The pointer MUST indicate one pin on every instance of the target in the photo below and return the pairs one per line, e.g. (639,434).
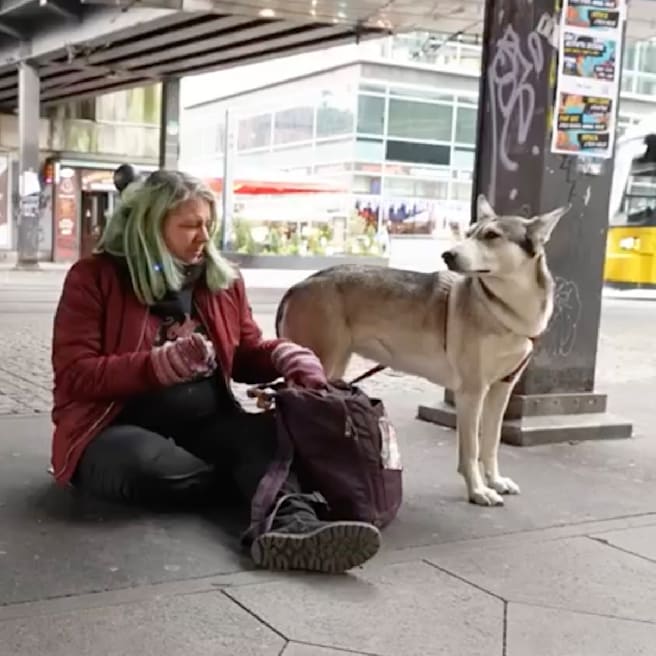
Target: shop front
(84,198)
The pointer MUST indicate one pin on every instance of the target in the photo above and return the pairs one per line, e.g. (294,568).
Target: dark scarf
(174,304)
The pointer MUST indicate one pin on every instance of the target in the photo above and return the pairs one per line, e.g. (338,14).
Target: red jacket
(100,351)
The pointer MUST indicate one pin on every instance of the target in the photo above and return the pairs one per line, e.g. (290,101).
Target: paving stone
(298,649)
(54,542)
(640,541)
(194,625)
(536,631)
(410,609)
(576,574)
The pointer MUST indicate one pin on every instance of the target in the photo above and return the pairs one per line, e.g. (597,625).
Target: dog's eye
(490,235)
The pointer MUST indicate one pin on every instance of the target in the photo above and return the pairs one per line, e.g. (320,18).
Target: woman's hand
(183,359)
(299,365)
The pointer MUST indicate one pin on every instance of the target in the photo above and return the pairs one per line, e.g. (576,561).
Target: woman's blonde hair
(135,232)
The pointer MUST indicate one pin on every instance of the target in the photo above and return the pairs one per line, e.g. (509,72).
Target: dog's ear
(540,227)
(484,209)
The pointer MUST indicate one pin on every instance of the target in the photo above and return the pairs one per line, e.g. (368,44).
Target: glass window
(461,190)
(254,132)
(630,56)
(410,119)
(334,116)
(431,189)
(628,82)
(466,125)
(369,150)
(463,158)
(416,188)
(418,153)
(80,109)
(647,58)
(366,184)
(646,85)
(139,105)
(295,124)
(371,114)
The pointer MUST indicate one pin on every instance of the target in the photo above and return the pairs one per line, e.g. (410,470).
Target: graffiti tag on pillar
(512,79)
(566,315)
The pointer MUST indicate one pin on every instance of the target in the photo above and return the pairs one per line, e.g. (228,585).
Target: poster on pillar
(588,86)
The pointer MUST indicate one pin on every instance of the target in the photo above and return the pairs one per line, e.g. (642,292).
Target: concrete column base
(531,420)
(27,265)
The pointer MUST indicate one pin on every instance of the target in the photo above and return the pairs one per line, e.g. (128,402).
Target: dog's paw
(485,496)
(503,485)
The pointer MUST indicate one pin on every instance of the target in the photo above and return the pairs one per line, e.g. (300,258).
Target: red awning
(275,187)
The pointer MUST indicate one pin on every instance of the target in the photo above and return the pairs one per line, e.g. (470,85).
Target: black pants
(180,464)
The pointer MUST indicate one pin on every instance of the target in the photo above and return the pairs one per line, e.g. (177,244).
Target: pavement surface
(568,568)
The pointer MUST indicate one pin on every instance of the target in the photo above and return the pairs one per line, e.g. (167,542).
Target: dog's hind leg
(316,323)
(469,406)
(494,407)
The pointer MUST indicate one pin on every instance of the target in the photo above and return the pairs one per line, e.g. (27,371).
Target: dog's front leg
(494,407)
(469,405)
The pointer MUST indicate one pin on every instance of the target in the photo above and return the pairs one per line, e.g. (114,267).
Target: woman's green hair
(135,232)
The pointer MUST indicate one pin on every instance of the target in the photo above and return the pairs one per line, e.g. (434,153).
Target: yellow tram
(631,243)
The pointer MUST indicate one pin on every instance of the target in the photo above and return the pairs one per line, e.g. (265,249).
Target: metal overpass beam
(103,23)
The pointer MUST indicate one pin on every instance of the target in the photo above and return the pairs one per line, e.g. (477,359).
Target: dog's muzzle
(449,258)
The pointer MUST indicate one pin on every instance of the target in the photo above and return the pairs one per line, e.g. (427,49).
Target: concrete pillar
(28,191)
(555,399)
(169,136)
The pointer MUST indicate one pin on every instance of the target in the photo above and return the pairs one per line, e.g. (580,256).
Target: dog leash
(265,398)
(368,374)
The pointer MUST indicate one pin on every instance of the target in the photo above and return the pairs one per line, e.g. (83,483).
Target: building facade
(393,121)
(82,142)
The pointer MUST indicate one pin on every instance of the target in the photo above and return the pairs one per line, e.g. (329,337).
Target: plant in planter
(243,241)
(362,237)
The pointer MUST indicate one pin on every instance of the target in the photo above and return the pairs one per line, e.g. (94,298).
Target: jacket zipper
(102,417)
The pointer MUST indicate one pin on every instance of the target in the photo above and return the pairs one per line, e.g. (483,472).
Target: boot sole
(333,549)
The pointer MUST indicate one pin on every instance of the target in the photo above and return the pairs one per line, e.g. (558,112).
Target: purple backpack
(343,447)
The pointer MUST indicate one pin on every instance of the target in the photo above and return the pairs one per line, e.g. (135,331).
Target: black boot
(298,539)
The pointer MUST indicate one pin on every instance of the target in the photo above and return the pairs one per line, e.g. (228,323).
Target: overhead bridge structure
(79,48)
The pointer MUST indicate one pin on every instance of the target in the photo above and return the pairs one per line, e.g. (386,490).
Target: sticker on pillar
(588,85)
(589,57)
(597,14)
(583,124)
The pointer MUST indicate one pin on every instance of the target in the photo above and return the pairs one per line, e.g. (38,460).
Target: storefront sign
(66,218)
(587,91)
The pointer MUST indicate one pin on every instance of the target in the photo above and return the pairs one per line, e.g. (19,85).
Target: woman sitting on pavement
(149,332)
